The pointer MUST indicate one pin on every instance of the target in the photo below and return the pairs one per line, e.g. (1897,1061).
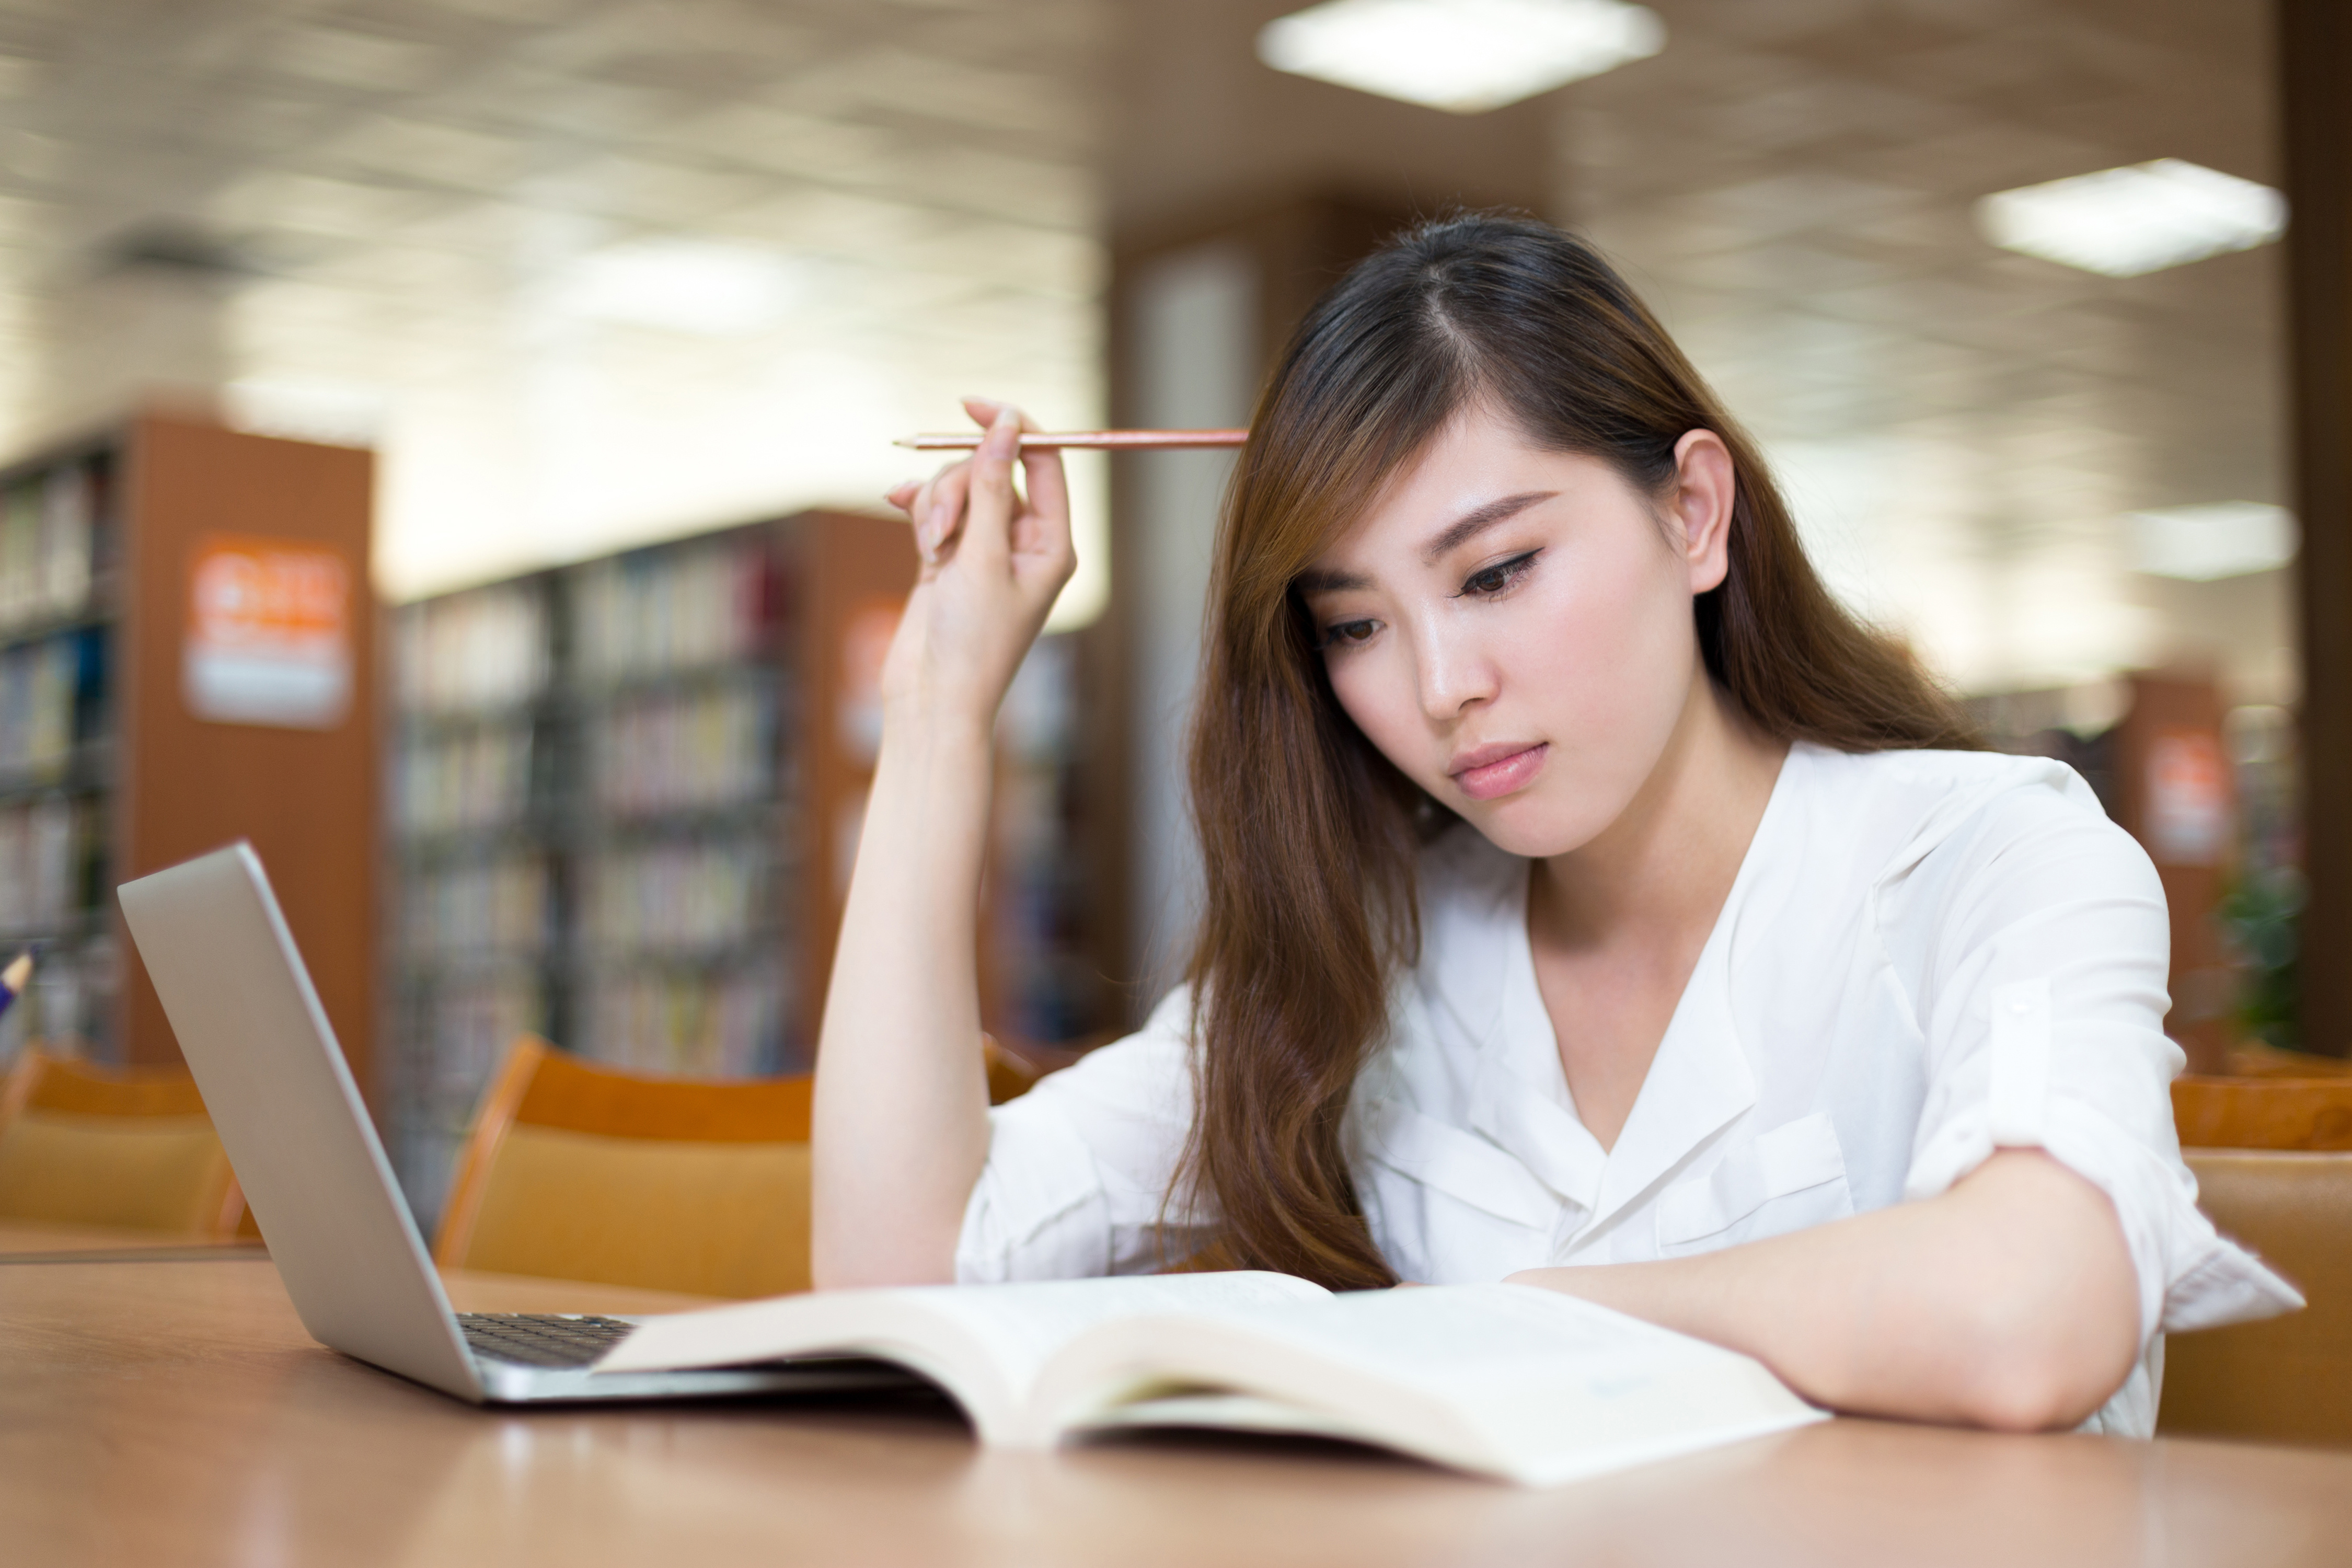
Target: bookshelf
(186,657)
(626,794)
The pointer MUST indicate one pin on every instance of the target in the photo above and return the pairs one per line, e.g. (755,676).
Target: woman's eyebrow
(1315,580)
(1472,524)
(1460,530)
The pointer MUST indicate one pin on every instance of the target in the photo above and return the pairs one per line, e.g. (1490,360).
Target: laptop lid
(287,1111)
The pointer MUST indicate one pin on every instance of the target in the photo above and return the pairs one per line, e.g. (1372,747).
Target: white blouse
(1926,956)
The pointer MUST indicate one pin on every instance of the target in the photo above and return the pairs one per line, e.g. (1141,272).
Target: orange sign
(269,636)
(2188,818)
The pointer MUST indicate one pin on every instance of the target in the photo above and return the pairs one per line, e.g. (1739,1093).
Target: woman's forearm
(2009,1301)
(901,1089)
(902,1095)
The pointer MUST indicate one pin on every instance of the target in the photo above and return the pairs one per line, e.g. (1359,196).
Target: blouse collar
(1698,1083)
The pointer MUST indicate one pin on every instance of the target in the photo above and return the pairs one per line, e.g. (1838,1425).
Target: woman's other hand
(2009,1301)
(992,560)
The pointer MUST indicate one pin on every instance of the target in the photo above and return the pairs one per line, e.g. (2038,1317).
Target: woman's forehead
(1478,462)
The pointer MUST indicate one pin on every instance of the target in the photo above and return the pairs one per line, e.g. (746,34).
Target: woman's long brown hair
(1308,834)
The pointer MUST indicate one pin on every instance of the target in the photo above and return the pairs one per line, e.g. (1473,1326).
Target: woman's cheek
(1596,677)
(1570,664)
(1376,691)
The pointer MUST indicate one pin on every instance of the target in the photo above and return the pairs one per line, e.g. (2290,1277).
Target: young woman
(1590,902)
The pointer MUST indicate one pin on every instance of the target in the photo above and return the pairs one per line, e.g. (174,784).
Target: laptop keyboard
(541,1339)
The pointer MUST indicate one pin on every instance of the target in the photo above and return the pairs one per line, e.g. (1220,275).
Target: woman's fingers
(983,412)
(939,511)
(991,503)
(1047,520)
(1044,524)
(903,496)
(973,504)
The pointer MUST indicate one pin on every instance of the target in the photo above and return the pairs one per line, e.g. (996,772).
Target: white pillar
(1195,328)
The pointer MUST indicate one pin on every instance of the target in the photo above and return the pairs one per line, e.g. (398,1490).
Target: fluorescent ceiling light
(683,285)
(1465,56)
(2123,222)
(2199,543)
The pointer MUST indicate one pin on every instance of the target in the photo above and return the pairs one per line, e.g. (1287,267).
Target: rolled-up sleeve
(2044,1015)
(1078,1172)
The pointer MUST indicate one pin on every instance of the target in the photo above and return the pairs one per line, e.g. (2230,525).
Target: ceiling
(375,220)
(411,188)
(1963,430)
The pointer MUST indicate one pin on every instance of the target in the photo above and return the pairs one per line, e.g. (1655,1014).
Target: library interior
(448,448)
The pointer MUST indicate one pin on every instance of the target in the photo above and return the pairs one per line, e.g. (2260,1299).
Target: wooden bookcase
(186,659)
(626,795)
(2175,789)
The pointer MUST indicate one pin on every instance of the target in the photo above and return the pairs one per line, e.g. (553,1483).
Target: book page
(1024,1325)
(983,1344)
(1453,1336)
(1508,1379)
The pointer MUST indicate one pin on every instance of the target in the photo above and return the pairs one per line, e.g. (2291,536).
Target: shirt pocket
(1787,1179)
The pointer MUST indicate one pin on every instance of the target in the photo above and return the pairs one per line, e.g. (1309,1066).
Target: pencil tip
(907,441)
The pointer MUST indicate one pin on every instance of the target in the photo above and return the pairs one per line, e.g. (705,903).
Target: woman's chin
(1527,825)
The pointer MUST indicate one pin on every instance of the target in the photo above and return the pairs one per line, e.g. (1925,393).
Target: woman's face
(1513,627)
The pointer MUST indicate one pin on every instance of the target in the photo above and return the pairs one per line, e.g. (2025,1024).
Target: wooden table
(165,1413)
(32,1241)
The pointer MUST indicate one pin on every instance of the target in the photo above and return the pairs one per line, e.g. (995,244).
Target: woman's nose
(1455,673)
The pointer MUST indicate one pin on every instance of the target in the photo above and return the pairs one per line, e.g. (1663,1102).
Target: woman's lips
(1512,771)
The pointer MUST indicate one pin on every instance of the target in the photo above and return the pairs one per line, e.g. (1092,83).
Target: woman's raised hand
(902,1096)
(992,560)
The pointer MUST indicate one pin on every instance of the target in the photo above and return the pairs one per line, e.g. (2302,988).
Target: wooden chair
(2273,1156)
(2285,1379)
(581,1172)
(133,1149)
(2307,1114)
(1015,1066)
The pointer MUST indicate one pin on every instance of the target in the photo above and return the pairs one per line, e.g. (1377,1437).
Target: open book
(1503,1380)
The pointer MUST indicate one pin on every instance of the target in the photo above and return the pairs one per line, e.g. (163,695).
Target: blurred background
(445,439)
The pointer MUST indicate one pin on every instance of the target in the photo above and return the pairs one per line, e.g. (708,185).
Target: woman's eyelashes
(1490,582)
(1486,582)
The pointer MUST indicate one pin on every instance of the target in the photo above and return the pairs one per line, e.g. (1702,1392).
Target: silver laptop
(289,1114)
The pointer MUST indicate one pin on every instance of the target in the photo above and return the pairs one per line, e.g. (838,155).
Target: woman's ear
(1706,485)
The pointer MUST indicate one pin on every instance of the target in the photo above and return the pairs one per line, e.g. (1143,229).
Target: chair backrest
(2264,1113)
(129,1148)
(1015,1066)
(582,1172)
(2284,1379)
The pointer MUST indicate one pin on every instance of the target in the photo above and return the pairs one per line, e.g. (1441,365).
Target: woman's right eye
(1348,634)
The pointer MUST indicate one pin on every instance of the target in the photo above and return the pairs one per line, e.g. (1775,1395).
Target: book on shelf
(46,544)
(1508,1381)
(483,649)
(691,606)
(472,1019)
(479,907)
(43,850)
(478,778)
(685,750)
(676,895)
(719,1021)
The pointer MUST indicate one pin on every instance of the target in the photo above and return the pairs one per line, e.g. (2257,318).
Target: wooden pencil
(1096,440)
